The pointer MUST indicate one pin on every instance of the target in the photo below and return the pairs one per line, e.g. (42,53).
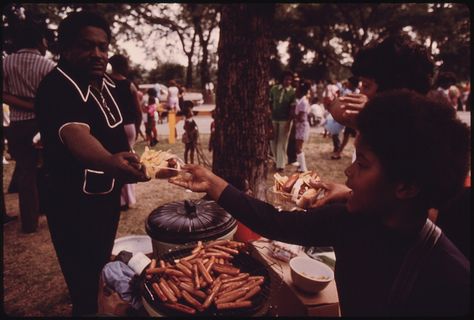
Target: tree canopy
(321,38)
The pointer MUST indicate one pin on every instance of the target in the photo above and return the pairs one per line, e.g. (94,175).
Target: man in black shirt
(86,155)
(390,259)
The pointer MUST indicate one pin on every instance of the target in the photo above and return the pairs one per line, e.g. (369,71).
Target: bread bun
(309,197)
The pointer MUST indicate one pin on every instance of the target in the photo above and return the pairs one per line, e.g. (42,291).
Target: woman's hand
(199,179)
(333,192)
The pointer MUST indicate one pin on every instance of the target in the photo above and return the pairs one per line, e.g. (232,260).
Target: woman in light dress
(301,122)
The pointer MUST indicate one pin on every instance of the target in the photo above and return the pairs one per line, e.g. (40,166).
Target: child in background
(190,136)
(151,134)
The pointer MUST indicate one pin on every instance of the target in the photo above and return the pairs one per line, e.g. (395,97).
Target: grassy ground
(32,281)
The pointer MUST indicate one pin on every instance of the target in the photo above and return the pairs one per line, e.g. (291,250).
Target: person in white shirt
(301,122)
(173,96)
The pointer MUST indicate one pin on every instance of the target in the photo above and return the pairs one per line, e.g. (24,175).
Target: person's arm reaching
(19,102)
(124,166)
(317,226)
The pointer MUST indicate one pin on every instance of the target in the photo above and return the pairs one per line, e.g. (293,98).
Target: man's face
(371,193)
(368,87)
(287,81)
(89,53)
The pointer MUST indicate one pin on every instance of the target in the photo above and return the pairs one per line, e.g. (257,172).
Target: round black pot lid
(189,221)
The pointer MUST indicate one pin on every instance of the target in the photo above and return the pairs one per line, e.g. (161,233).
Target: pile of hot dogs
(203,278)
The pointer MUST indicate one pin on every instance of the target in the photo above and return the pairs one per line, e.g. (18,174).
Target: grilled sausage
(212,295)
(250,293)
(240,277)
(180,307)
(175,288)
(184,269)
(191,290)
(167,290)
(225,269)
(234,305)
(193,302)
(158,291)
(231,296)
(204,272)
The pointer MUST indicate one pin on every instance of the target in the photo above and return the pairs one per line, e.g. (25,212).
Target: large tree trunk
(189,73)
(242,107)
(204,68)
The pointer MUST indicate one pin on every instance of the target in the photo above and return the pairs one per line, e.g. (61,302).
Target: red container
(244,234)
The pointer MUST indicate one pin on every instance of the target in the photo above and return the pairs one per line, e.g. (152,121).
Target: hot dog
(209,264)
(181,307)
(212,295)
(158,292)
(167,290)
(234,305)
(193,302)
(191,290)
(174,272)
(197,283)
(155,270)
(175,288)
(250,294)
(231,295)
(204,272)
(231,286)
(240,277)
(227,249)
(225,269)
(152,264)
(184,269)
(186,264)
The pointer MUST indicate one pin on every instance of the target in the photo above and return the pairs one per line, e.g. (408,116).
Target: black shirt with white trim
(64,97)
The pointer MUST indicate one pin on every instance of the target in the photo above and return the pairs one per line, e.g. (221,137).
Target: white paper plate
(133,244)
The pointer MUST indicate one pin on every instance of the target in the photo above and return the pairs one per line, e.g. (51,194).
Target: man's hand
(126,167)
(334,192)
(200,179)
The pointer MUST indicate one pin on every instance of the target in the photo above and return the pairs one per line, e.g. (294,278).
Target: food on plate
(160,164)
(204,278)
(297,188)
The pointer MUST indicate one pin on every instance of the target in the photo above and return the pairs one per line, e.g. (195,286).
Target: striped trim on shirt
(22,74)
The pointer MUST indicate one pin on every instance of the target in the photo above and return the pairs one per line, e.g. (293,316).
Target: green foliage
(310,27)
(166,72)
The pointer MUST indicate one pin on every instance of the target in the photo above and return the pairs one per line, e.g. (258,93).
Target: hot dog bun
(309,197)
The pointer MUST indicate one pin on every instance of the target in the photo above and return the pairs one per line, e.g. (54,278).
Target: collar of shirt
(82,86)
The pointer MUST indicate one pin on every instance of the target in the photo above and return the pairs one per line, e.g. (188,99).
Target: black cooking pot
(188,221)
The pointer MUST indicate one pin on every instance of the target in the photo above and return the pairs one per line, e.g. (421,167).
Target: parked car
(316,115)
(195,97)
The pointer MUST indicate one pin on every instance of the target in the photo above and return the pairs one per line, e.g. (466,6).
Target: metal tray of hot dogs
(235,285)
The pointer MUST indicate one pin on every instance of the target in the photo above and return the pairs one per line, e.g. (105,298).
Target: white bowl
(133,244)
(310,275)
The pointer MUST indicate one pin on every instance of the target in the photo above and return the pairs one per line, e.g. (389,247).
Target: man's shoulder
(54,83)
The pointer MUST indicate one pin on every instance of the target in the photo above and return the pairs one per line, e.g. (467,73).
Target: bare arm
(87,149)
(346,109)
(201,180)
(19,102)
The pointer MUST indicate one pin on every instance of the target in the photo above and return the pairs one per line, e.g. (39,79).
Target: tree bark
(242,106)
